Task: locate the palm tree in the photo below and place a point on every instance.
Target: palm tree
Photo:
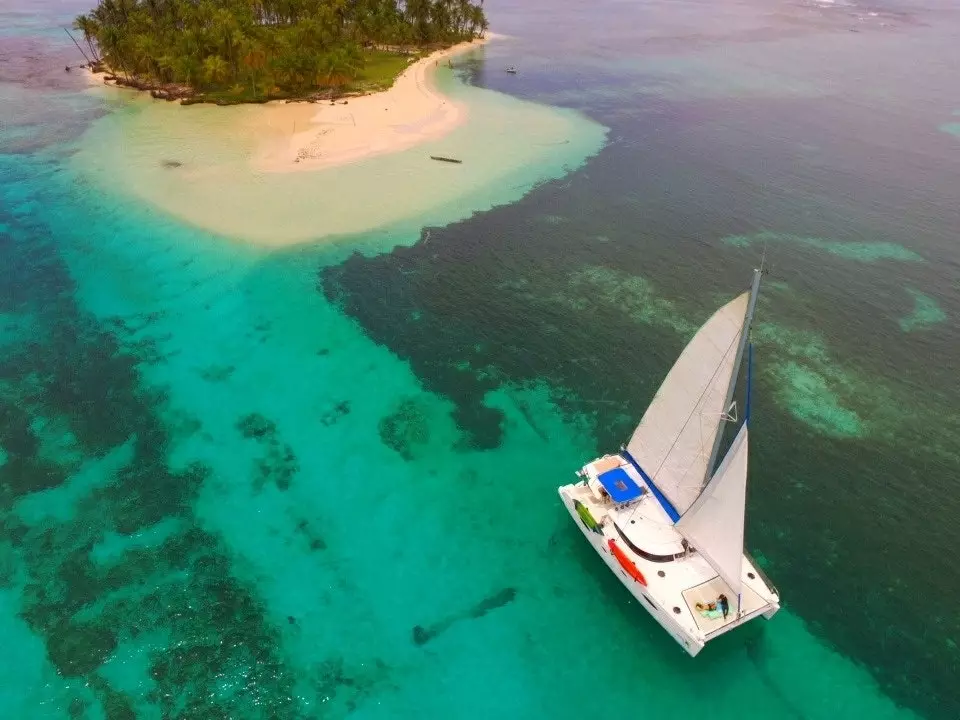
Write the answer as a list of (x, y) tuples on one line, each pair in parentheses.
[(167, 65), (146, 54), (187, 69), (418, 16), (255, 59), (478, 21), (340, 65), (111, 41), (225, 30), (295, 45), (88, 27), (440, 17), (215, 68)]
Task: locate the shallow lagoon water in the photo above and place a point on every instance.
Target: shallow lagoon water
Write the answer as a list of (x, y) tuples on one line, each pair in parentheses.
[(350, 512), (236, 481)]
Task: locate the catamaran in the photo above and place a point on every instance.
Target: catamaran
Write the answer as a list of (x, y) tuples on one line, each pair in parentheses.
[(667, 522)]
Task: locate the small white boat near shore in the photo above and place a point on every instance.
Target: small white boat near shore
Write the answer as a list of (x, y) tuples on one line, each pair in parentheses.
[(665, 520)]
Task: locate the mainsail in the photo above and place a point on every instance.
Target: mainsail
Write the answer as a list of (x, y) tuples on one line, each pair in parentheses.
[(674, 441), (714, 523)]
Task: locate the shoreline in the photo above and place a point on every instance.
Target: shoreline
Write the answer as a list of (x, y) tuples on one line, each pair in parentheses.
[(298, 137)]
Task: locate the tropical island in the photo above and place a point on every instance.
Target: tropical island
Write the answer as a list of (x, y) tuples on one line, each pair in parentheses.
[(241, 51)]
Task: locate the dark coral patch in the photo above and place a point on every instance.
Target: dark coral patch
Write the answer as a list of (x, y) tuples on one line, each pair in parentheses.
[(77, 649), (145, 494), (116, 705), (77, 709), (82, 605), (333, 414), (405, 429), (256, 427), (279, 467), (314, 540), (217, 373), (421, 636), (24, 471)]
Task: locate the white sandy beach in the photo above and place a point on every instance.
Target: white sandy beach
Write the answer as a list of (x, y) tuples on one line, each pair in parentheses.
[(239, 171), (299, 136), (314, 136)]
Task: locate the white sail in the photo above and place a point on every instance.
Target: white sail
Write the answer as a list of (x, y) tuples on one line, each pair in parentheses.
[(714, 523), (674, 440)]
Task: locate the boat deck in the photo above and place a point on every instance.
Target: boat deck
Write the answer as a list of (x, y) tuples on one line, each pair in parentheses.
[(709, 591)]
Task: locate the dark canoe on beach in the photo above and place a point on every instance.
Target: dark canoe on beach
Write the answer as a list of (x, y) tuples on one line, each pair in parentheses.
[(445, 159)]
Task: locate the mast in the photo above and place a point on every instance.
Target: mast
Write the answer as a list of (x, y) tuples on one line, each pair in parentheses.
[(744, 338)]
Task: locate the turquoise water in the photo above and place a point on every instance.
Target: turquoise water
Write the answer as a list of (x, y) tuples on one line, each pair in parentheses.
[(235, 481)]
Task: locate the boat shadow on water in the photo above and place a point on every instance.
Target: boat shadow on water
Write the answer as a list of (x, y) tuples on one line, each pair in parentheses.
[(422, 635)]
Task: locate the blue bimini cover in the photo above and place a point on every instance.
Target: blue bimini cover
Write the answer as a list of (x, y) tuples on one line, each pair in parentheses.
[(620, 485)]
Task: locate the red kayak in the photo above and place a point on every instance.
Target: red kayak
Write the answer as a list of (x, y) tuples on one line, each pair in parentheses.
[(625, 562)]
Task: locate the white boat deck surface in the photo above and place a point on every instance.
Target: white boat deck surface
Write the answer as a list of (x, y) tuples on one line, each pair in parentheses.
[(709, 591), (608, 463)]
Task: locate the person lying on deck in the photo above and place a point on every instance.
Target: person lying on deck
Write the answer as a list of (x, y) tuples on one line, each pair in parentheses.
[(713, 609)]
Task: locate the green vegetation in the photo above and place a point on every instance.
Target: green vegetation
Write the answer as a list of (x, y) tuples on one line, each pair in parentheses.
[(250, 50), (380, 69)]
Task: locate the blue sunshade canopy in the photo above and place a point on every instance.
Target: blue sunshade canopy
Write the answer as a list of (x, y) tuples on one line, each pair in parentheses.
[(619, 485)]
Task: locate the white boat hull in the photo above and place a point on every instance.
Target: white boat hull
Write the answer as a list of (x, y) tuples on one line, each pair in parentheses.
[(662, 598)]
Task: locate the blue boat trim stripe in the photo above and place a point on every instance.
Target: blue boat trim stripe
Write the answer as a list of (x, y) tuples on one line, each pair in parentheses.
[(746, 413), (661, 498)]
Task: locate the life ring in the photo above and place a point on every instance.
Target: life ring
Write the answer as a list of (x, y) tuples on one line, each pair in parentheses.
[(625, 562)]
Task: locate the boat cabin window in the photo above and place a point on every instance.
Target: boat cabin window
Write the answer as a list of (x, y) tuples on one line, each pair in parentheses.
[(643, 553)]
